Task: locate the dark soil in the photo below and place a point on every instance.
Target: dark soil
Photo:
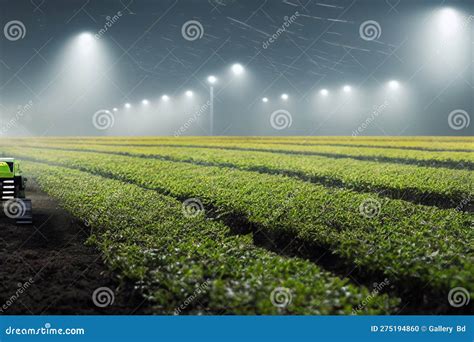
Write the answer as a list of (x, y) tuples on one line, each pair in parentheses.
[(66, 271), (63, 269)]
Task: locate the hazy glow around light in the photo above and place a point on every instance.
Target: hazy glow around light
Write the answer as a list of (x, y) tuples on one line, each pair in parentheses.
[(165, 97), (265, 99), (145, 102), (449, 22), (347, 88), (87, 44), (86, 54), (189, 93), (324, 92), (284, 97), (444, 43), (394, 84), (212, 79), (128, 105), (115, 109), (237, 69), (86, 37)]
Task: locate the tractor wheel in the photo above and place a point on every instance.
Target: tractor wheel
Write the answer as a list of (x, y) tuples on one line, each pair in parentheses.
[(26, 213)]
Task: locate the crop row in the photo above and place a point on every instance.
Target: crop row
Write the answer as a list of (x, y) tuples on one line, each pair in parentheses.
[(186, 263), (434, 147), (449, 159), (424, 158), (413, 244), (442, 187), (428, 143)]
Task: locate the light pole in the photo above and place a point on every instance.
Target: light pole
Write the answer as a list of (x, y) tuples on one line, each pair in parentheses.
[(212, 80), (237, 70)]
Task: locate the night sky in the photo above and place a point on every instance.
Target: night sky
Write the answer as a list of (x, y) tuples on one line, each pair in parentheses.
[(50, 86)]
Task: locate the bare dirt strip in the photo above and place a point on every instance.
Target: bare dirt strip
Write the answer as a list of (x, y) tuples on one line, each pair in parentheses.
[(46, 267)]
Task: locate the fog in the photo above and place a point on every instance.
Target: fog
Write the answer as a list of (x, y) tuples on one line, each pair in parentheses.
[(363, 68)]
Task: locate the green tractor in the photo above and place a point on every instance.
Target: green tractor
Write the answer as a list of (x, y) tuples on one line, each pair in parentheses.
[(12, 190)]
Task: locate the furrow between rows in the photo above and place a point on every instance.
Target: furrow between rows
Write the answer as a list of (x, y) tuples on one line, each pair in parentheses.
[(411, 244), (447, 160), (172, 257), (428, 186)]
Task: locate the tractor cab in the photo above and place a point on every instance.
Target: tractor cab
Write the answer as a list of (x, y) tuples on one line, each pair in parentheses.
[(12, 191)]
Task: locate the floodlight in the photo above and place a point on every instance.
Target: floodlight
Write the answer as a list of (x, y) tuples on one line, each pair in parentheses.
[(237, 69), (212, 79), (394, 84)]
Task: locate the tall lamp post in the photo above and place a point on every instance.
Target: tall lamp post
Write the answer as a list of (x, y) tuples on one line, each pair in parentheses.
[(212, 80), (237, 70)]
